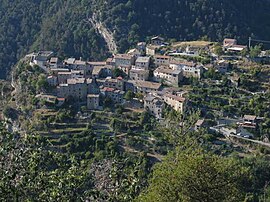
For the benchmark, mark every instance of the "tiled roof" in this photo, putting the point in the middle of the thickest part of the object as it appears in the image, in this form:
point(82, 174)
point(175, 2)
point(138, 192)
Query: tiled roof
point(167, 70)
point(147, 84)
point(143, 59)
point(76, 81)
point(123, 56)
point(175, 97)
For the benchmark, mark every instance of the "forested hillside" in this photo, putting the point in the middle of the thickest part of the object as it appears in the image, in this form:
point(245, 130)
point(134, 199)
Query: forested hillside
point(187, 20)
point(62, 26)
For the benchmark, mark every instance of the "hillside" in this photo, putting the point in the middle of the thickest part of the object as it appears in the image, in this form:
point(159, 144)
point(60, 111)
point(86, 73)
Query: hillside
point(60, 26)
point(187, 20)
point(63, 26)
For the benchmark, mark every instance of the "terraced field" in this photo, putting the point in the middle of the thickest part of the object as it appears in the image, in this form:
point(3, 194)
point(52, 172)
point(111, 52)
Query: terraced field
point(123, 129)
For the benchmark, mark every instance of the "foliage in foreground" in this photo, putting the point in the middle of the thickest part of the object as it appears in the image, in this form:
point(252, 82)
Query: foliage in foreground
point(196, 175)
point(29, 171)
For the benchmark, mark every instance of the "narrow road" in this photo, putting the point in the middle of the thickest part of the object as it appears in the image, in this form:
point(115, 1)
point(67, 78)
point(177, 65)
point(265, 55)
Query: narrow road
point(250, 140)
point(228, 133)
point(104, 32)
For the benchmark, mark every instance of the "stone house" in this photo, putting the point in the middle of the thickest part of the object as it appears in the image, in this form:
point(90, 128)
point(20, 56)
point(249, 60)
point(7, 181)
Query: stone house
point(93, 101)
point(249, 121)
point(141, 46)
point(41, 59)
point(62, 77)
point(139, 74)
point(52, 80)
point(231, 45)
point(110, 61)
point(190, 69)
point(168, 75)
point(76, 88)
point(74, 64)
point(117, 83)
point(144, 86)
point(229, 42)
point(221, 66)
point(92, 86)
point(97, 72)
point(55, 63)
point(124, 60)
point(151, 50)
point(134, 52)
point(162, 60)
point(142, 63)
point(176, 102)
point(157, 41)
point(154, 105)
point(117, 96)
point(200, 124)
point(54, 71)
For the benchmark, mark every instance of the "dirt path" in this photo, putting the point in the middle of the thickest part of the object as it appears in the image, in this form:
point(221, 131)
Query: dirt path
point(104, 32)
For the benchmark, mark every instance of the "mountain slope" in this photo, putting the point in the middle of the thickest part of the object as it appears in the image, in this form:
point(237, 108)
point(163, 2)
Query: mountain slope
point(187, 20)
point(60, 26)
point(63, 26)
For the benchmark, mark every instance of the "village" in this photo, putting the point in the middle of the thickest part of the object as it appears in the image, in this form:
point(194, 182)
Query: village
point(147, 77)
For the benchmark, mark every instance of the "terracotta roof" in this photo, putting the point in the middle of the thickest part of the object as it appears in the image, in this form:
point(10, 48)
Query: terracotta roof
point(175, 97)
point(123, 56)
point(108, 89)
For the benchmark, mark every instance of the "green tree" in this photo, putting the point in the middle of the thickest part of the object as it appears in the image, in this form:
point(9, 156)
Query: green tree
point(244, 52)
point(193, 175)
point(255, 51)
point(218, 49)
point(129, 95)
point(42, 82)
